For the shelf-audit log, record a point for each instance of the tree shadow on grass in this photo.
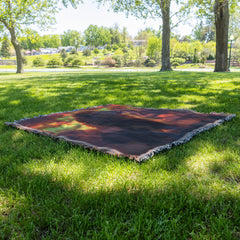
(43, 206)
(110, 198)
(62, 93)
(75, 90)
(38, 95)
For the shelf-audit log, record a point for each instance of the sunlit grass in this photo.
(53, 190)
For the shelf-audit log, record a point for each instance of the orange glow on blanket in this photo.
(137, 133)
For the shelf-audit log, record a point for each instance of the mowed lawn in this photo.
(53, 190)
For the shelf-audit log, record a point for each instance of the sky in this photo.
(88, 13)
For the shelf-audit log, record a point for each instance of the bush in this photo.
(125, 50)
(153, 48)
(115, 46)
(105, 52)
(130, 63)
(109, 61)
(73, 61)
(195, 56)
(74, 51)
(180, 54)
(150, 62)
(24, 60)
(97, 62)
(63, 54)
(203, 59)
(211, 57)
(122, 45)
(178, 60)
(54, 62)
(126, 59)
(138, 62)
(38, 62)
(175, 64)
(68, 60)
(86, 52)
(131, 46)
(118, 52)
(76, 62)
(235, 55)
(109, 48)
(119, 60)
(96, 50)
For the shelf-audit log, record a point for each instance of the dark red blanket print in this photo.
(137, 133)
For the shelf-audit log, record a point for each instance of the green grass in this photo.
(196, 65)
(53, 190)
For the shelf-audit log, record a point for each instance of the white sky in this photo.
(88, 13)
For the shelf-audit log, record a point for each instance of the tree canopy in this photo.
(71, 38)
(145, 9)
(5, 49)
(97, 36)
(22, 13)
(17, 15)
(234, 25)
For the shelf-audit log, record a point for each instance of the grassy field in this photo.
(53, 190)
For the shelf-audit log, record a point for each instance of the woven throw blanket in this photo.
(136, 133)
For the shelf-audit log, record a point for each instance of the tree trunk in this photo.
(17, 48)
(221, 12)
(165, 8)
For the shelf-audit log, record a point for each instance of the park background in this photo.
(95, 36)
(54, 190)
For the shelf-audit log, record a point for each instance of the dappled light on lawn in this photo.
(51, 189)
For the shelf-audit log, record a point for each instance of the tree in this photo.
(15, 15)
(144, 35)
(165, 9)
(234, 25)
(186, 38)
(72, 38)
(97, 36)
(51, 41)
(63, 54)
(221, 10)
(115, 35)
(5, 50)
(205, 32)
(154, 48)
(144, 9)
(31, 41)
(124, 35)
